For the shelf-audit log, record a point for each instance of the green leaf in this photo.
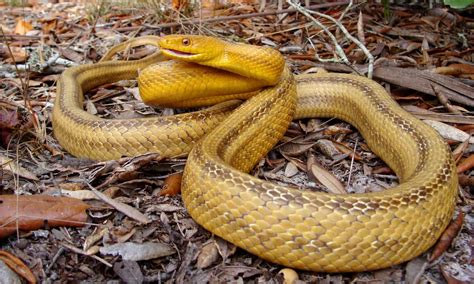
(458, 4)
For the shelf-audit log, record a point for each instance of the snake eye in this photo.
(186, 41)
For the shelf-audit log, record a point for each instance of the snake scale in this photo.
(296, 228)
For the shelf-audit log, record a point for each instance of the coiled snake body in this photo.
(296, 228)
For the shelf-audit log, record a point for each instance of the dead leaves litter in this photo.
(26, 213)
(424, 59)
(137, 252)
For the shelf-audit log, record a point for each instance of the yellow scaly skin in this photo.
(301, 228)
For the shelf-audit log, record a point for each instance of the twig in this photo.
(349, 6)
(444, 100)
(352, 162)
(339, 50)
(79, 251)
(124, 208)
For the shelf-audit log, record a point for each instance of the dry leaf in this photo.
(449, 132)
(328, 148)
(465, 180)
(128, 271)
(323, 176)
(327, 179)
(415, 269)
(289, 276)
(7, 275)
(459, 150)
(447, 237)
(94, 238)
(18, 266)
(8, 123)
(360, 28)
(22, 27)
(47, 25)
(290, 170)
(449, 278)
(137, 252)
(172, 185)
(12, 166)
(180, 4)
(466, 164)
(295, 149)
(80, 194)
(333, 130)
(127, 168)
(455, 69)
(18, 54)
(36, 211)
(122, 207)
(208, 255)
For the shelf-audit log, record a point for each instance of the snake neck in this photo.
(251, 62)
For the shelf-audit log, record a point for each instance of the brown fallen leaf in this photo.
(207, 255)
(137, 252)
(127, 168)
(348, 151)
(455, 69)
(8, 123)
(36, 211)
(326, 178)
(328, 148)
(460, 150)
(48, 25)
(18, 266)
(466, 164)
(172, 185)
(465, 180)
(17, 55)
(295, 149)
(128, 271)
(447, 237)
(12, 166)
(382, 170)
(333, 130)
(180, 4)
(22, 27)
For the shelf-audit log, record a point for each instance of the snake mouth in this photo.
(177, 53)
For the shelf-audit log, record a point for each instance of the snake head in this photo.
(191, 48)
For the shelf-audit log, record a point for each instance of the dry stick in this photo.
(349, 6)
(367, 53)
(352, 163)
(339, 50)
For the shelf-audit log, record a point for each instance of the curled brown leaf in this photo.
(18, 266)
(172, 185)
(447, 237)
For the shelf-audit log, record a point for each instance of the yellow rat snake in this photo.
(296, 228)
